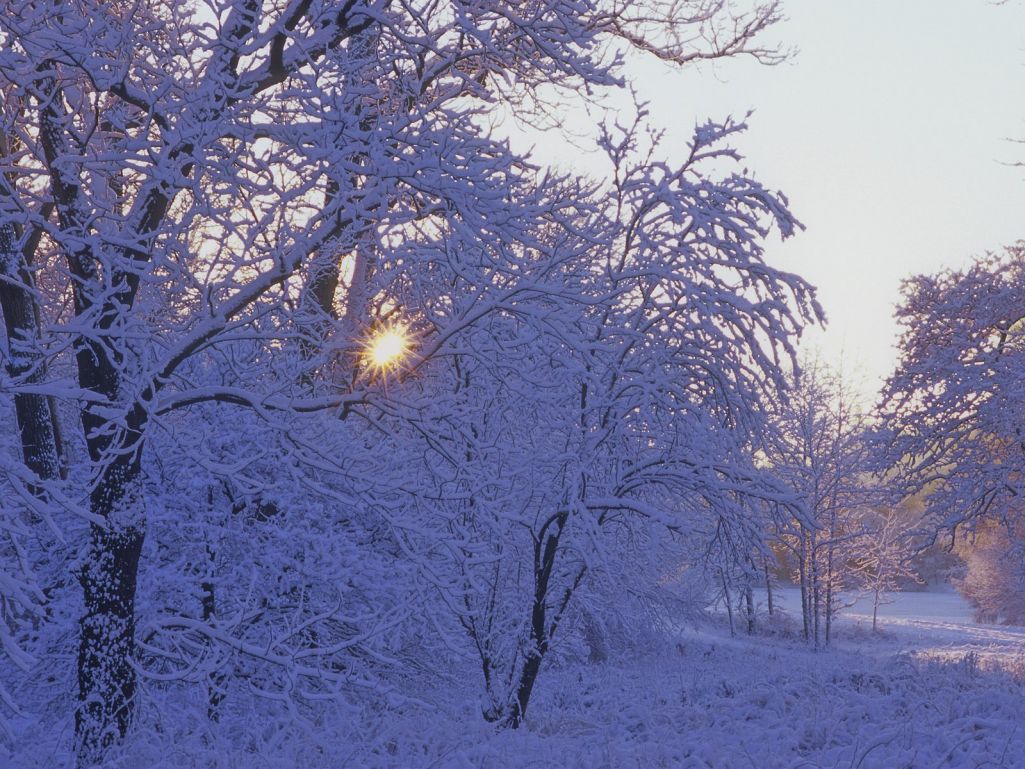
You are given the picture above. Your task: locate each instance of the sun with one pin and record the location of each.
(386, 348)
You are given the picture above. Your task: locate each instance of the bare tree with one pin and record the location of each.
(817, 448)
(884, 554)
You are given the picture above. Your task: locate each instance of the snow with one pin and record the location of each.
(914, 696)
(941, 605)
(233, 536)
(932, 625)
(932, 689)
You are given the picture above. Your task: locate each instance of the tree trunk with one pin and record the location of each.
(544, 619)
(768, 587)
(831, 578)
(527, 678)
(531, 665)
(829, 592)
(749, 598)
(106, 677)
(35, 416)
(815, 589)
(805, 591)
(729, 602)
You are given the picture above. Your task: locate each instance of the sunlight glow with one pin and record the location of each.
(388, 347)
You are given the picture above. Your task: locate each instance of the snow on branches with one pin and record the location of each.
(953, 409)
(208, 212)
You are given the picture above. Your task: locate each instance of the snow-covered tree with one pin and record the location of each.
(816, 447)
(994, 577)
(248, 214)
(953, 407)
(883, 559)
(546, 458)
(953, 413)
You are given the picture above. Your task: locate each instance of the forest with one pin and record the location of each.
(338, 430)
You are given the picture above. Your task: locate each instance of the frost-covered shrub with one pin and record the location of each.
(994, 579)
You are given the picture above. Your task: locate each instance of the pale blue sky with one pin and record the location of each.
(888, 130)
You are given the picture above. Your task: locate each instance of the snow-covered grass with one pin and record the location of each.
(709, 701)
(915, 696)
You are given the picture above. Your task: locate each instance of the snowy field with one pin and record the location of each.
(935, 625)
(932, 690)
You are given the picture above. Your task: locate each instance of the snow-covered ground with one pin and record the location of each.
(933, 690)
(934, 624)
(914, 696)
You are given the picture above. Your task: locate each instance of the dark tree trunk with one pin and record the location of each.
(37, 426)
(106, 677)
(531, 667)
(544, 561)
(544, 617)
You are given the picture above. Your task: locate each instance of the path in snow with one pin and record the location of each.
(931, 624)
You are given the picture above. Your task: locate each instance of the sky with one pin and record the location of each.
(889, 130)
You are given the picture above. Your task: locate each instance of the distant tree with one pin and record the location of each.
(882, 559)
(951, 410)
(994, 578)
(816, 446)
